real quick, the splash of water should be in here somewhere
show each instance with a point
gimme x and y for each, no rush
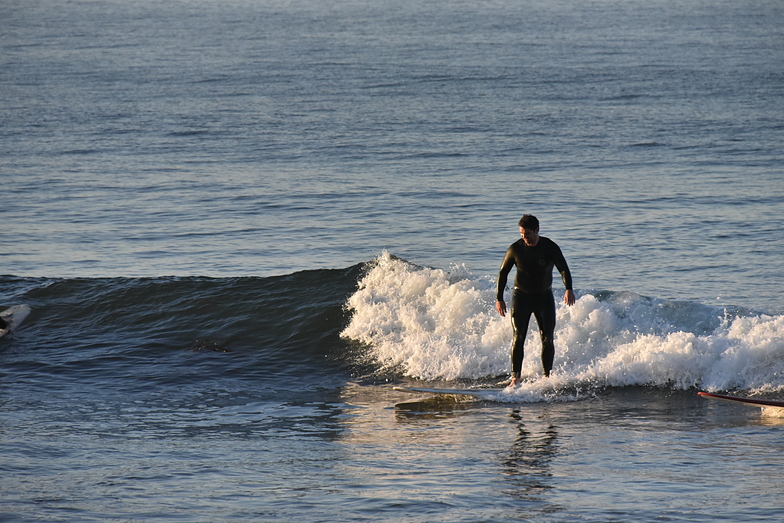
(441, 324)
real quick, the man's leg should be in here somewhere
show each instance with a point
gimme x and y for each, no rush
(521, 314)
(545, 318)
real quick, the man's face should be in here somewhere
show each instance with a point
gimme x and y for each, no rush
(530, 236)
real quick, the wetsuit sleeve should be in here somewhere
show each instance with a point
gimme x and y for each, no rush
(503, 273)
(563, 268)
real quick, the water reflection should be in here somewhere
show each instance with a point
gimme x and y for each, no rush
(527, 462)
(436, 407)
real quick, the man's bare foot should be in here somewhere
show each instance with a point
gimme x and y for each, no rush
(515, 382)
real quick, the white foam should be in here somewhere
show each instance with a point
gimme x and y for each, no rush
(437, 324)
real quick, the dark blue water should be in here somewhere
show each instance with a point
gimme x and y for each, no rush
(238, 224)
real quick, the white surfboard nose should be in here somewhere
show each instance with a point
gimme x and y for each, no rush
(13, 316)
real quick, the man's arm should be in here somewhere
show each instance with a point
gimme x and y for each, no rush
(503, 274)
(566, 276)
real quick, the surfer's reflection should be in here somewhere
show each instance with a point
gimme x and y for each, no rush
(528, 462)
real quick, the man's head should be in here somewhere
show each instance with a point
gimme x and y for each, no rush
(529, 221)
(529, 230)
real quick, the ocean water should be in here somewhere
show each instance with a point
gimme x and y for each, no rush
(238, 224)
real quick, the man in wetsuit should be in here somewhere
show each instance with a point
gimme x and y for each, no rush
(534, 256)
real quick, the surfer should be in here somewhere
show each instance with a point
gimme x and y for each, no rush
(534, 256)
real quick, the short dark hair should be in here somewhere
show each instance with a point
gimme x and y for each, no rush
(529, 221)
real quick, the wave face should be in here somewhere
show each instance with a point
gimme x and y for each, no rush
(435, 324)
(145, 333)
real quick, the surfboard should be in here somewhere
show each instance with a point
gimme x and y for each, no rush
(754, 402)
(14, 316)
(477, 393)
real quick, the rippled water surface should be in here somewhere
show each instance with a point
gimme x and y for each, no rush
(238, 224)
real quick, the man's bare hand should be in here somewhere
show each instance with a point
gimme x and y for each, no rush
(500, 306)
(569, 297)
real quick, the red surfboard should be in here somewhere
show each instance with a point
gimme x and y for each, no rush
(754, 402)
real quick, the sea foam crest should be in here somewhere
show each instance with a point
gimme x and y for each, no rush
(438, 324)
(430, 323)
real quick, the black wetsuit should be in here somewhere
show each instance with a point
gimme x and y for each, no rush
(533, 294)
